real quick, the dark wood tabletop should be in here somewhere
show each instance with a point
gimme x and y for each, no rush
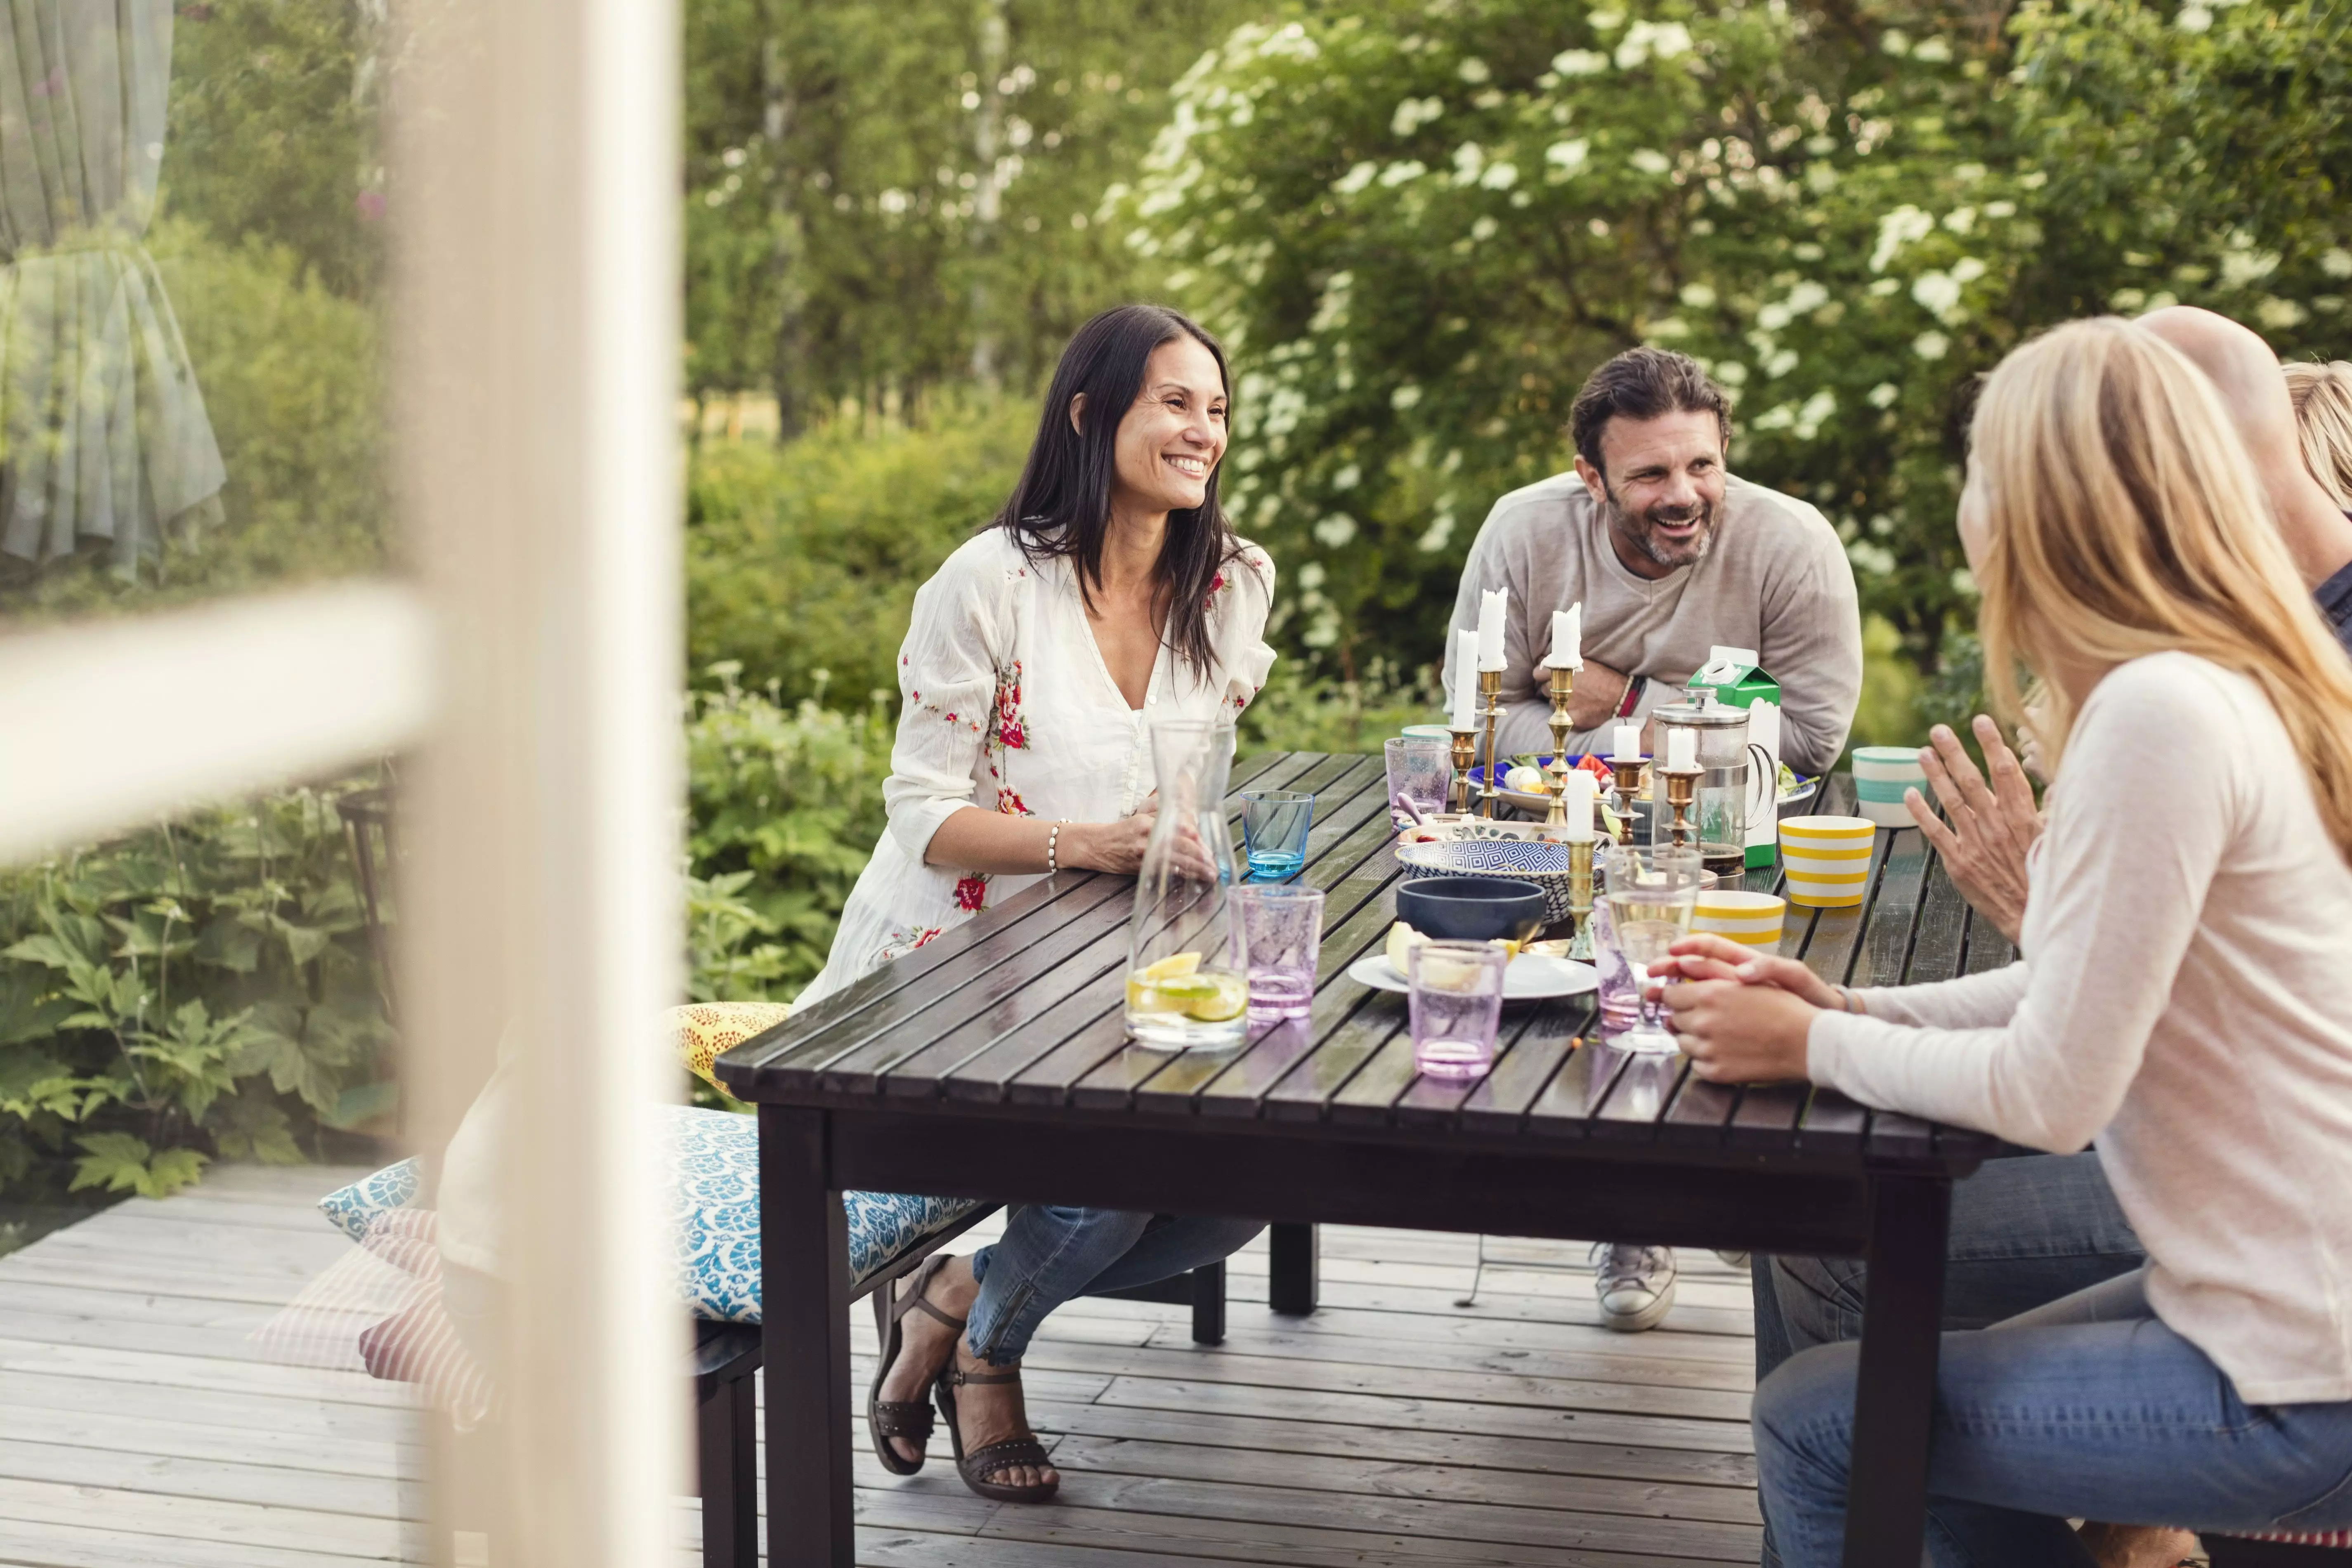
(993, 1063)
(1020, 1009)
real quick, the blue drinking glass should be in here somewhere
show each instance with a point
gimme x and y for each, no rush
(1274, 831)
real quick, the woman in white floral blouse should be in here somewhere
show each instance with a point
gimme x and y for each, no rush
(1109, 593)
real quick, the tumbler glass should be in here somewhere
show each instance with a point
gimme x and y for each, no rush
(1455, 992)
(1282, 924)
(1650, 893)
(1274, 831)
(1420, 771)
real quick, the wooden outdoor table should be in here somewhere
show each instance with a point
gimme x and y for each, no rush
(992, 1063)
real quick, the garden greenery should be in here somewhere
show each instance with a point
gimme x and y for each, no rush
(1422, 223)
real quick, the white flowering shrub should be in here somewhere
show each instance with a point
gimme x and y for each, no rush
(1420, 225)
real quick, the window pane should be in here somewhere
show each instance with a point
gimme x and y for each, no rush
(196, 1048)
(192, 258)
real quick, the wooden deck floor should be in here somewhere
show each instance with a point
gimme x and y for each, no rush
(141, 1423)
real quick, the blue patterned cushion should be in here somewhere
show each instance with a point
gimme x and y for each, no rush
(354, 1208)
(718, 1207)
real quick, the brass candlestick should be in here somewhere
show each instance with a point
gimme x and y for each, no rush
(1465, 753)
(1490, 694)
(1627, 777)
(1580, 882)
(1681, 789)
(1563, 682)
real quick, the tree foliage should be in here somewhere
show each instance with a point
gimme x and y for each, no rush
(885, 198)
(1423, 224)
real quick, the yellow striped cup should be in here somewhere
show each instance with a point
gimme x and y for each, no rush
(1752, 920)
(1826, 859)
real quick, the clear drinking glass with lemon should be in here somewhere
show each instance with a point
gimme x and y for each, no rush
(1178, 1003)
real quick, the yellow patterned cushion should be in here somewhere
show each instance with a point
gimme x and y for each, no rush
(704, 1029)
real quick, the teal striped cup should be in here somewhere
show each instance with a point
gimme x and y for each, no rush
(1881, 774)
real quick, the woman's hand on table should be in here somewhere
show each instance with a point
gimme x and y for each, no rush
(1116, 846)
(1741, 1017)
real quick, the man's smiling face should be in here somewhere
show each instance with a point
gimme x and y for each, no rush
(1660, 485)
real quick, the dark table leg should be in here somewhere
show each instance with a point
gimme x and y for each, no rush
(805, 1300)
(1290, 1266)
(1886, 1494)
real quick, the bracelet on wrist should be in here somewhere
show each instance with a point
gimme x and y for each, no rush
(1053, 845)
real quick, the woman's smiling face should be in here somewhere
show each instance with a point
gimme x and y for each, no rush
(1170, 441)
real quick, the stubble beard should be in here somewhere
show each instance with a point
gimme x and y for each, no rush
(1635, 529)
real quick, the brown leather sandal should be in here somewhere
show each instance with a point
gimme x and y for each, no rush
(908, 1419)
(978, 1466)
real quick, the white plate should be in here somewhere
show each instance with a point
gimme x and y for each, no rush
(1530, 976)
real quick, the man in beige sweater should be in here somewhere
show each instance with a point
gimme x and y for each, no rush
(1670, 555)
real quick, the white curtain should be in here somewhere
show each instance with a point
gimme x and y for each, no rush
(103, 433)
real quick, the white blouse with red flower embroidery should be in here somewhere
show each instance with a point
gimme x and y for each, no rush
(1008, 706)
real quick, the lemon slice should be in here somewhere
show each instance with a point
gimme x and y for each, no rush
(1222, 997)
(1175, 964)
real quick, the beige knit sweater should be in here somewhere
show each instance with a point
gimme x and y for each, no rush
(1775, 580)
(2184, 1003)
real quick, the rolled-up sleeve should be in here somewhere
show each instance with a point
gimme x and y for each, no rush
(947, 685)
(1244, 655)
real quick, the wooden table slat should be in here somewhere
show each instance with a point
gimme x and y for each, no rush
(810, 1036)
(917, 1034)
(1564, 1108)
(1834, 1123)
(1499, 1103)
(1941, 937)
(1642, 1089)
(1883, 949)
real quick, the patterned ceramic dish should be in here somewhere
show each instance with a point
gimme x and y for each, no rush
(1454, 828)
(1530, 860)
(1803, 789)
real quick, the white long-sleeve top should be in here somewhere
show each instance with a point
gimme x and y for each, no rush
(2184, 1001)
(1008, 706)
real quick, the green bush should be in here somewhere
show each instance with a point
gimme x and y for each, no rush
(201, 987)
(803, 558)
(786, 808)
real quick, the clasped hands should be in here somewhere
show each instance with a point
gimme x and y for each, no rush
(1740, 1015)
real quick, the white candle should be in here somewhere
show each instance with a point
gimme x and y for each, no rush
(1465, 681)
(1682, 751)
(1492, 607)
(1566, 639)
(1577, 802)
(1629, 745)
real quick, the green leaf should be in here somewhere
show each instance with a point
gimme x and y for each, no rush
(43, 949)
(249, 1126)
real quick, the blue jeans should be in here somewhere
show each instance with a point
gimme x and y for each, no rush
(2088, 1408)
(1049, 1254)
(2026, 1231)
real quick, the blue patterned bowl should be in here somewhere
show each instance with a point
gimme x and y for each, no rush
(1537, 861)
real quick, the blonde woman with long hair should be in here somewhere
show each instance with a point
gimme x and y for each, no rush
(2182, 1002)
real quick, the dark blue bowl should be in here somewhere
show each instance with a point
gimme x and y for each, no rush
(1471, 908)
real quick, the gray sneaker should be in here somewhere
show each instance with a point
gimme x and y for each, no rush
(1635, 1284)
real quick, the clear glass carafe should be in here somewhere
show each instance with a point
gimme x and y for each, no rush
(1717, 820)
(1188, 965)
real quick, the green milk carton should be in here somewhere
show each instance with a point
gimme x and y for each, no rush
(1736, 680)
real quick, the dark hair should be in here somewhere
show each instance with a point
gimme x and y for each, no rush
(1061, 506)
(1643, 384)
